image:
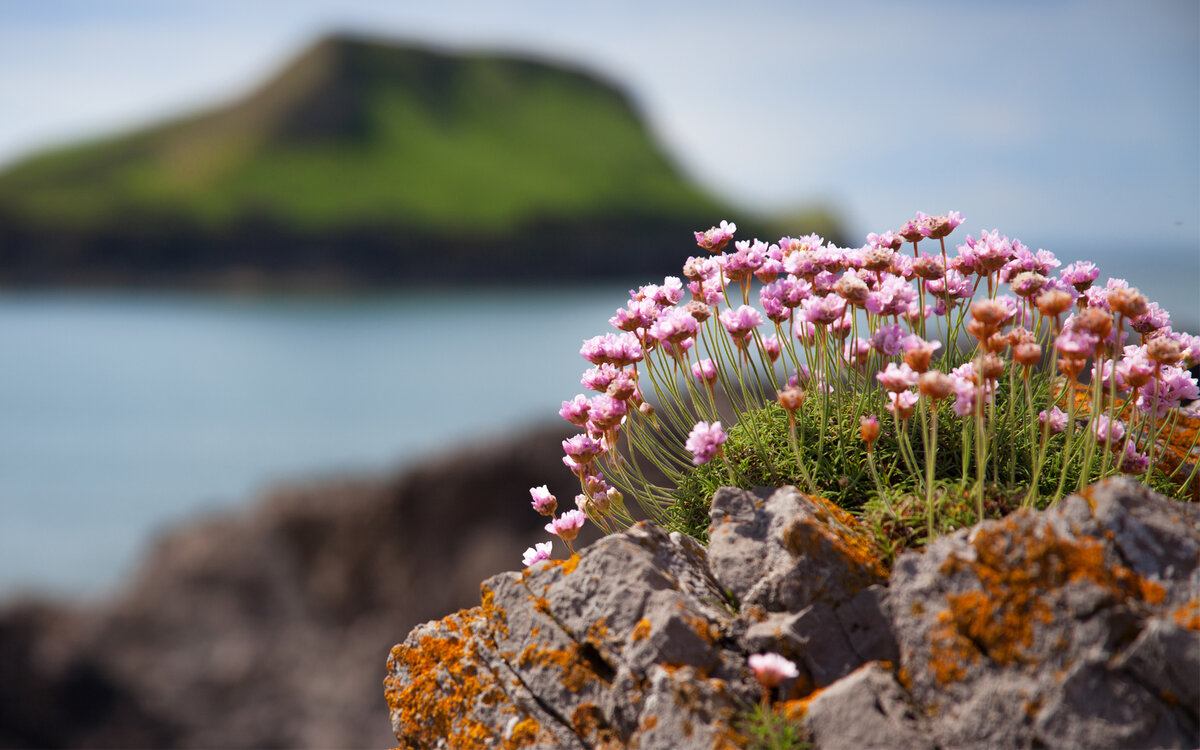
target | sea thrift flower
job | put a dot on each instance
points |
(1108, 432)
(918, 352)
(567, 526)
(704, 441)
(771, 347)
(1055, 420)
(790, 398)
(856, 353)
(705, 370)
(1133, 462)
(615, 349)
(606, 412)
(902, 404)
(895, 378)
(889, 340)
(543, 501)
(575, 411)
(741, 322)
(673, 325)
(936, 385)
(715, 238)
(1080, 275)
(868, 430)
(772, 669)
(599, 378)
(936, 227)
(823, 310)
(537, 553)
(583, 448)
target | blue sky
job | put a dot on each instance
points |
(1054, 121)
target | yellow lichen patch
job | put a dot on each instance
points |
(567, 566)
(493, 613)
(641, 631)
(1018, 565)
(524, 733)
(439, 681)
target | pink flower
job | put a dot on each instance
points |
(543, 501)
(673, 325)
(856, 353)
(715, 238)
(704, 441)
(1080, 275)
(599, 378)
(618, 349)
(1108, 432)
(741, 322)
(822, 311)
(772, 669)
(705, 370)
(567, 526)
(583, 448)
(895, 378)
(1133, 462)
(575, 411)
(537, 553)
(1056, 420)
(901, 404)
(771, 347)
(888, 340)
(606, 412)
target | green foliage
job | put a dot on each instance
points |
(769, 729)
(356, 133)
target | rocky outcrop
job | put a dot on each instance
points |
(1076, 627)
(266, 627)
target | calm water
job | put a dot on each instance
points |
(125, 413)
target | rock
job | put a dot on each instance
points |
(636, 642)
(1076, 627)
(867, 710)
(1034, 630)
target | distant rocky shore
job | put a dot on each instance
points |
(270, 627)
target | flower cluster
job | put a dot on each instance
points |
(870, 330)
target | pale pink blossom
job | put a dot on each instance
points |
(538, 552)
(772, 669)
(567, 526)
(704, 441)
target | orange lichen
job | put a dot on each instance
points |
(589, 723)
(1018, 565)
(576, 670)
(641, 631)
(649, 722)
(567, 566)
(1188, 616)
(524, 732)
(430, 686)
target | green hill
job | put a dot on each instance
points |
(366, 161)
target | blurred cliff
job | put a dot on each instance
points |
(368, 162)
(271, 627)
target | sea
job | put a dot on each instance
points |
(125, 413)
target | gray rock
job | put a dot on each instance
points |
(868, 710)
(1070, 628)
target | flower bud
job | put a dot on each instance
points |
(1128, 302)
(991, 366)
(935, 385)
(790, 398)
(868, 430)
(1164, 351)
(1054, 302)
(1027, 354)
(1095, 321)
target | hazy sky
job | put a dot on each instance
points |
(1053, 121)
